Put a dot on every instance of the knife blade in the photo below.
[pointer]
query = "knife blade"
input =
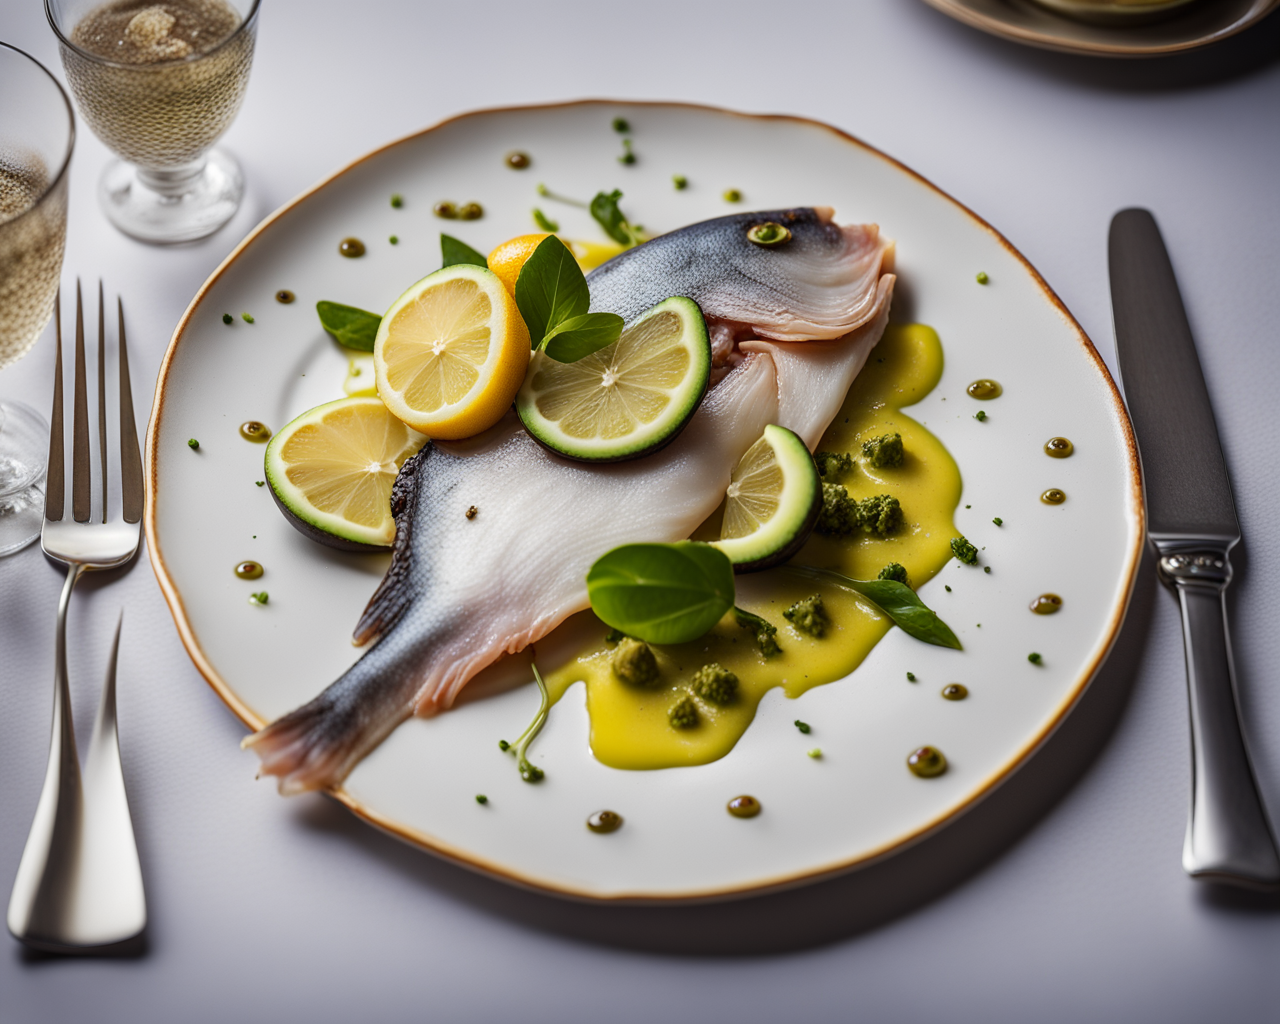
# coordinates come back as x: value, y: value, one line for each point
x: 1193, y: 526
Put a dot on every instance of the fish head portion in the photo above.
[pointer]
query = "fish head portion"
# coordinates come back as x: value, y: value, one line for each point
x: 821, y: 282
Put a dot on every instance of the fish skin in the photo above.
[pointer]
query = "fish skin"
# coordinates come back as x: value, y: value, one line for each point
x: 462, y: 592
x: 828, y: 271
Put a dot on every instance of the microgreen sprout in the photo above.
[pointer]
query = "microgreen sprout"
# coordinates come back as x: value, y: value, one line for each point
x: 530, y: 772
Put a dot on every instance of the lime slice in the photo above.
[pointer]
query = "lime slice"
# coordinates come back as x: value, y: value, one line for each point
x: 773, y: 501
x: 332, y: 468
x: 451, y: 353
x: 628, y: 399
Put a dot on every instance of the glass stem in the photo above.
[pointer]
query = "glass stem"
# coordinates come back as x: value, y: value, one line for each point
x: 173, y: 182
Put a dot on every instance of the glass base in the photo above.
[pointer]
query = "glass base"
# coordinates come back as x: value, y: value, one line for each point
x: 178, y: 205
x: 24, y: 446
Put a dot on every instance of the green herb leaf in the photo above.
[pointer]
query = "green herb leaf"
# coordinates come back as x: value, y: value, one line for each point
x: 351, y: 327
x: 455, y: 252
x: 897, y: 601
x: 579, y: 336
x: 604, y: 208
x: 550, y: 289
x: 545, y: 222
x: 662, y: 593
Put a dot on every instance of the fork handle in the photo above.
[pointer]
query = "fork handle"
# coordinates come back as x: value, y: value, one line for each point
x: 1228, y: 839
x: 42, y: 904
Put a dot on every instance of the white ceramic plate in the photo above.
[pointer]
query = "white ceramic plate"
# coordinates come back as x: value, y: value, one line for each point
x: 859, y: 801
x: 1185, y: 28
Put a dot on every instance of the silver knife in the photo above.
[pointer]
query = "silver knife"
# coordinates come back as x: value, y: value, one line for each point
x: 1193, y: 526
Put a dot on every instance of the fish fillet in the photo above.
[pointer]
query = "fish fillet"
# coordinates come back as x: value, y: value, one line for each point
x: 460, y: 593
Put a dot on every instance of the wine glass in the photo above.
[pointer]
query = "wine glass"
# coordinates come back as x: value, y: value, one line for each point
x: 37, y: 132
x: 159, y: 83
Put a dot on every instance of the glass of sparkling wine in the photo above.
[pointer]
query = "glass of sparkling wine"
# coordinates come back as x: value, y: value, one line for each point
x: 37, y: 131
x: 160, y: 81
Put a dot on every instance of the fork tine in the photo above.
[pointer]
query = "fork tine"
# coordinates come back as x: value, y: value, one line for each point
x: 55, y: 482
x: 81, y: 486
x: 130, y: 459
x: 102, y: 398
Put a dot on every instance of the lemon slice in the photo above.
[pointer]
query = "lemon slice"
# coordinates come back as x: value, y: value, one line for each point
x: 629, y: 398
x: 331, y: 470
x: 773, y: 501
x: 451, y: 353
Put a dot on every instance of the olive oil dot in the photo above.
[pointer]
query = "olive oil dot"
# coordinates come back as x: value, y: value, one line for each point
x: 955, y: 691
x: 1053, y: 496
x: 605, y: 821
x: 732, y: 195
x: 470, y: 211
x: 351, y: 248
x: 1046, y: 604
x: 518, y: 161
x: 927, y: 762
x: 445, y: 210
x: 254, y: 431
x: 744, y: 806
x: 248, y: 570
x: 284, y: 296
x: 984, y: 388
x: 1058, y: 447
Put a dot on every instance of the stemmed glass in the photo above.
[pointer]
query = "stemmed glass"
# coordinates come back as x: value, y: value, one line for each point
x: 160, y: 83
x: 37, y: 132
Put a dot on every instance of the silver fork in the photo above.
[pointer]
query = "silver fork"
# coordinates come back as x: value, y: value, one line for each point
x: 79, y: 883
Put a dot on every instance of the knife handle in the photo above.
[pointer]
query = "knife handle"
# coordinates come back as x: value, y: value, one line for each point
x: 1228, y: 839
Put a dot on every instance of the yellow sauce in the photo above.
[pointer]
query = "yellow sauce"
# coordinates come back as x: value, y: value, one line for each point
x: 629, y: 727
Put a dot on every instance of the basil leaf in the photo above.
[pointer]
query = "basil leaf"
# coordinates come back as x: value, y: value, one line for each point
x: 604, y: 208
x: 550, y: 289
x: 662, y: 593
x: 354, y: 328
x: 455, y: 252
x: 896, y: 600
x: 579, y: 336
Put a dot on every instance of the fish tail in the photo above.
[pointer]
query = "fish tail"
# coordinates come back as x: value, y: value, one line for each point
x: 317, y: 745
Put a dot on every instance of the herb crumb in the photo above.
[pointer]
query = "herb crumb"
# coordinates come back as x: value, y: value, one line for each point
x: 397, y: 200
x: 815, y: 753
x: 804, y: 727
x: 394, y: 239
x: 503, y: 745
x: 964, y: 551
x: 982, y: 277
x: 683, y: 714
x: 481, y: 799
x: 227, y: 318
x: 260, y: 483
x: 192, y: 443
x: 911, y: 677
x: 809, y: 616
x: 980, y: 416
x: 732, y: 195
x: 247, y: 318
x: 948, y: 586
x: 987, y: 569
x: 1034, y: 658
x: 680, y: 182
x: 259, y: 598
x: 621, y: 126
x: 998, y: 521
x: 627, y: 156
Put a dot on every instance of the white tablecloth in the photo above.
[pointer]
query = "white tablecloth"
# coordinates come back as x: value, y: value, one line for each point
x: 1060, y: 899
